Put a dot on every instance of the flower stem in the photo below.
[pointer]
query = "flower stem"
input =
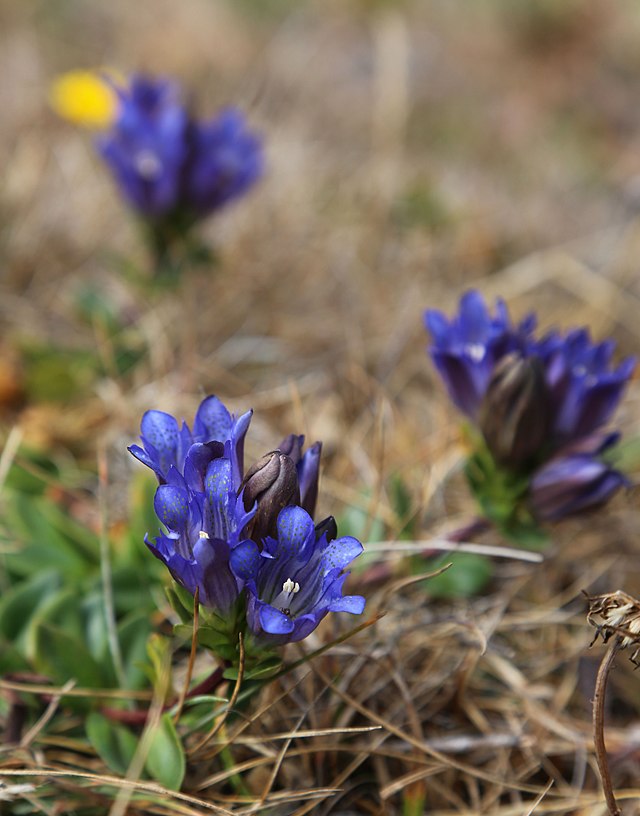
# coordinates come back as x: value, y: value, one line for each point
x: 598, y: 725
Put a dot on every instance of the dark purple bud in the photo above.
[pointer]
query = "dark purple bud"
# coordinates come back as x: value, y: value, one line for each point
x: 327, y: 526
x: 292, y: 446
x: 272, y: 482
x: 515, y: 415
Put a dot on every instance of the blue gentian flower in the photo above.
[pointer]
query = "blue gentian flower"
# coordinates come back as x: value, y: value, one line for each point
x: 585, y: 390
x: 466, y: 348
x: 165, y: 443
x: 576, y: 478
x: 226, y: 533
x: 147, y: 146
x: 169, y: 165
x: 225, y: 161
x: 202, y: 529
x: 296, y: 579
x: 548, y: 427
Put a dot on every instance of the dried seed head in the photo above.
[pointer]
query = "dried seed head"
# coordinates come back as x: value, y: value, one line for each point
x: 616, y: 614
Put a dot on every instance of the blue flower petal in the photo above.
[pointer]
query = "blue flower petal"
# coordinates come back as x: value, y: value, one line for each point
x: 161, y: 431
x: 172, y: 507
x: 296, y: 534
x: 213, y: 421
x: 353, y: 604
x: 245, y: 559
x: 474, y: 317
x: 341, y: 552
x: 438, y: 327
x: 275, y: 622
x: 308, y: 469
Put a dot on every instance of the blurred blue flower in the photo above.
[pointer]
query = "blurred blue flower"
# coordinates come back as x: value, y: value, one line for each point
x: 540, y: 403
x: 225, y: 161
x: 576, y: 478
x: 585, y: 389
x: 169, y: 165
x: 295, y: 579
x: 466, y: 348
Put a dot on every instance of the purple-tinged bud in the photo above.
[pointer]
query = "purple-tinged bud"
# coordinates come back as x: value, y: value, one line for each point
x: 575, y: 479
x: 308, y: 468
x: 272, y: 483
x: 515, y: 415
x: 327, y: 527
x: 292, y: 446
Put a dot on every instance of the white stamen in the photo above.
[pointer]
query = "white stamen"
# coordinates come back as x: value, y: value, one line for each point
x: 291, y: 587
x: 203, y: 534
x: 148, y: 164
x: 476, y: 351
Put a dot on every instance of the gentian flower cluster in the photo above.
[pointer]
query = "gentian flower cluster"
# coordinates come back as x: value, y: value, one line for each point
x: 541, y: 405
x: 245, y: 540
x: 170, y: 166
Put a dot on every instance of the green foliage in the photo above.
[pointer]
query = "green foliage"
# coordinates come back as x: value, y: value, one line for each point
x: 58, y: 375
x: 114, y: 743
x: 401, y: 503
x: 501, y: 495
x: 356, y: 521
x: 625, y: 455
x: 166, y: 760
x: 422, y: 207
x: 468, y: 576
x: 61, y: 655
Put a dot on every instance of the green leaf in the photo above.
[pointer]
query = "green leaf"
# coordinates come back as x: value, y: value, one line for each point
x: 19, y: 603
x: 56, y: 374
x: 263, y: 670
x: 133, y: 634
x: 625, y: 455
x: 113, y: 742
x: 11, y: 660
x: 400, y: 498
x: 178, y: 606
x: 469, y: 575
x: 62, y: 657
x: 47, y: 538
x: 355, y: 521
x: 166, y: 760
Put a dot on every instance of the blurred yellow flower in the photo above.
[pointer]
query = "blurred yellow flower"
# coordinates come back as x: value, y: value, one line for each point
x: 84, y: 98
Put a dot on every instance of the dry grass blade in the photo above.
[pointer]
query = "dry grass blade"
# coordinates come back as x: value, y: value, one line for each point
x: 192, y: 656
x: 392, y: 548
x: 50, y: 710
x: 130, y: 785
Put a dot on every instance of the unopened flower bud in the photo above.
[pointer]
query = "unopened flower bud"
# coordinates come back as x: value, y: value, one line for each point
x: 272, y: 482
x: 577, y: 478
x: 327, y: 527
x: 515, y: 412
